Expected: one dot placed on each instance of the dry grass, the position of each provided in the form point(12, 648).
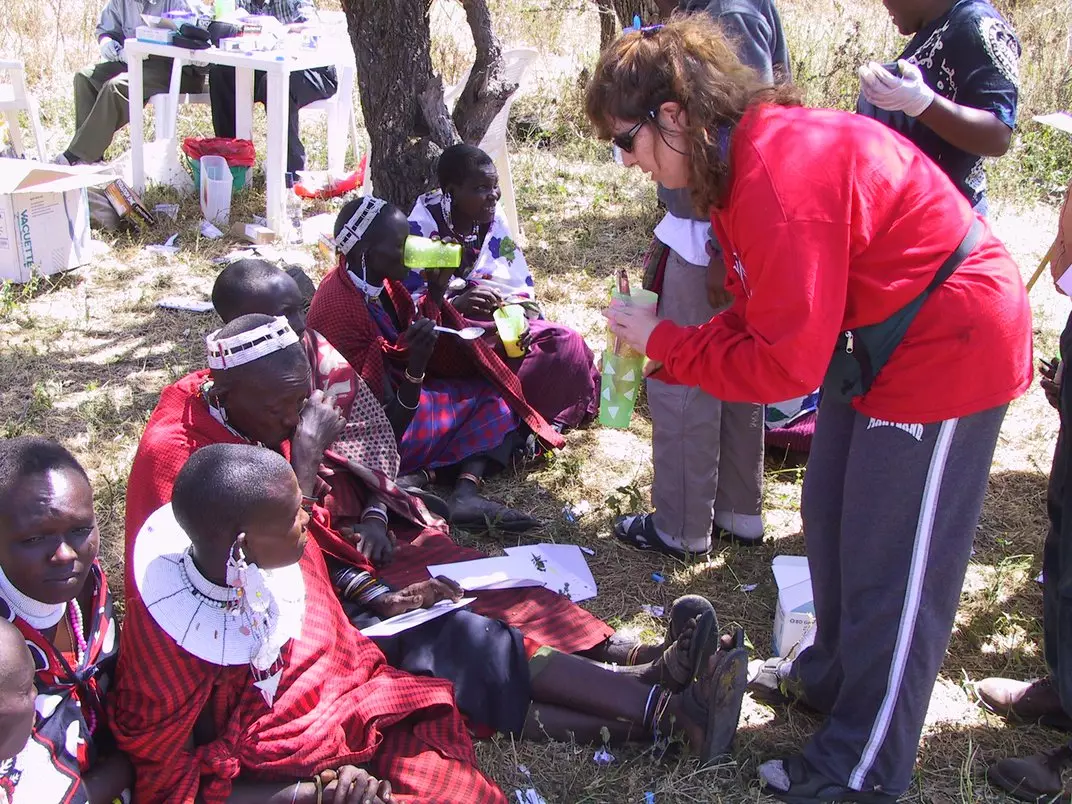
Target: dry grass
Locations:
point(85, 356)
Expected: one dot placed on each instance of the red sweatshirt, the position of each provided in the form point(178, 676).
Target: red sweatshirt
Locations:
point(833, 221)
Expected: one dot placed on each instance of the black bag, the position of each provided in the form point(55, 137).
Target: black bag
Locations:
point(862, 352)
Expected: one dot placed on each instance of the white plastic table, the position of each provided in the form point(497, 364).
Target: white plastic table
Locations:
point(277, 64)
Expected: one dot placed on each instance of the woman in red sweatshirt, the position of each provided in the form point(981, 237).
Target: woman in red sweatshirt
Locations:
point(830, 222)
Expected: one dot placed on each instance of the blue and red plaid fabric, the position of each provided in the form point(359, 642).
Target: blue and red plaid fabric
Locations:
point(456, 418)
point(338, 703)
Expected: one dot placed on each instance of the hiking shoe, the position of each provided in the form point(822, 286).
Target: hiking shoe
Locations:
point(1023, 701)
point(1045, 777)
point(793, 780)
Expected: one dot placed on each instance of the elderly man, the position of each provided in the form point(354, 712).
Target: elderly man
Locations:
point(102, 92)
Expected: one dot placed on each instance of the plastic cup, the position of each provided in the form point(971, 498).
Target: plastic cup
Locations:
point(216, 182)
point(511, 323)
point(645, 299)
point(619, 388)
point(424, 254)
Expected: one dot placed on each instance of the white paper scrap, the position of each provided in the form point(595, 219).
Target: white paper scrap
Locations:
point(210, 231)
point(189, 305)
point(562, 566)
point(411, 619)
point(500, 572)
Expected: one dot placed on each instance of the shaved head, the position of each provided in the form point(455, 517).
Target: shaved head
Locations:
point(17, 692)
point(257, 286)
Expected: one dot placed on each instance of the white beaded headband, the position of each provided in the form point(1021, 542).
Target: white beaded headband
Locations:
point(245, 347)
point(355, 228)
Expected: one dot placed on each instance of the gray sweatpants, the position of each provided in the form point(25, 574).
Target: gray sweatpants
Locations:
point(707, 454)
point(890, 512)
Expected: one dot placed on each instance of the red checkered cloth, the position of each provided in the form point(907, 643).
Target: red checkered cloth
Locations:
point(338, 703)
point(340, 312)
point(181, 424)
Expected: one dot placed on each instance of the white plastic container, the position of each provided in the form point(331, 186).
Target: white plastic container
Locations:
point(216, 181)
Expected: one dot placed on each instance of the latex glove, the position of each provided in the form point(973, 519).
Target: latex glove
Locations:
point(112, 50)
point(906, 92)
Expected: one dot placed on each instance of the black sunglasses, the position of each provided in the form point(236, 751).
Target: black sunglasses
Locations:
point(624, 141)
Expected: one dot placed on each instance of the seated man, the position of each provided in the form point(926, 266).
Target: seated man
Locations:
point(102, 92)
point(55, 593)
point(470, 414)
point(306, 86)
point(557, 372)
point(245, 682)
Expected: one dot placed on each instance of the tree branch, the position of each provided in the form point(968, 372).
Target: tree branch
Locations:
point(487, 89)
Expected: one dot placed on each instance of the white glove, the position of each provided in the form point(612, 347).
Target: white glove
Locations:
point(112, 50)
point(906, 92)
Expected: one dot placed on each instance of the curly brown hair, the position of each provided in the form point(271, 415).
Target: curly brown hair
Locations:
point(691, 62)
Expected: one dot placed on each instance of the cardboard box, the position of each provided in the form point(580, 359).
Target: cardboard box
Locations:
point(253, 232)
point(128, 204)
point(44, 217)
point(794, 617)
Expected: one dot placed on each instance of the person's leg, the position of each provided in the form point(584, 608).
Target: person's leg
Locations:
point(912, 498)
point(420, 773)
point(87, 85)
point(739, 500)
point(306, 87)
point(221, 92)
point(685, 426)
point(111, 110)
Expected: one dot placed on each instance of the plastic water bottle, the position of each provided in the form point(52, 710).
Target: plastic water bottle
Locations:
point(294, 215)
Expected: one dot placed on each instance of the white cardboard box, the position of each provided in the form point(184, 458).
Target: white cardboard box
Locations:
point(44, 217)
point(794, 618)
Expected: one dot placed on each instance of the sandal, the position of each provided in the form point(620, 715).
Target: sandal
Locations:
point(791, 779)
point(716, 700)
point(677, 667)
point(638, 530)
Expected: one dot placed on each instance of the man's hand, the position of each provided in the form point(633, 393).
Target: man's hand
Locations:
point(477, 303)
point(421, 339)
point(319, 424)
point(372, 539)
point(422, 595)
point(907, 92)
point(348, 784)
point(1051, 384)
point(112, 50)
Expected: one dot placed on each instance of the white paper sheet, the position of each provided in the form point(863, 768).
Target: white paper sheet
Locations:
point(411, 619)
point(564, 568)
point(501, 572)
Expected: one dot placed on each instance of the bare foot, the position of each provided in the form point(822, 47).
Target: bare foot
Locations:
point(475, 513)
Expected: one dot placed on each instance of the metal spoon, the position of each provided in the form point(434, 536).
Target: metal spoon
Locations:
point(467, 334)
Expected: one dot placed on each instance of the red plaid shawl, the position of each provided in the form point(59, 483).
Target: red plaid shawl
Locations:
point(181, 424)
point(338, 703)
point(340, 312)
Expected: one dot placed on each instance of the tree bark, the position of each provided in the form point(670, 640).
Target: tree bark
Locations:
point(624, 11)
point(402, 97)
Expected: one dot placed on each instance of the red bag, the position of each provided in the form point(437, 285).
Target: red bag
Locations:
point(238, 153)
point(319, 184)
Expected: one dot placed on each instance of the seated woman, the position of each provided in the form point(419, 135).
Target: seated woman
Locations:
point(469, 414)
point(53, 590)
point(557, 373)
point(237, 523)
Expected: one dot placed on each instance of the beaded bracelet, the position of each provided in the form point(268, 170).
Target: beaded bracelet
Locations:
point(375, 512)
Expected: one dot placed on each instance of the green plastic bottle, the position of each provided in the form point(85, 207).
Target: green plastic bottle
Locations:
point(423, 254)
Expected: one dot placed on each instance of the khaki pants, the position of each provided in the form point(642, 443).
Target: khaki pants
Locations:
point(707, 454)
point(102, 106)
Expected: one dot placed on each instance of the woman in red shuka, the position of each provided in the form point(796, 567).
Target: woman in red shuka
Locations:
point(830, 223)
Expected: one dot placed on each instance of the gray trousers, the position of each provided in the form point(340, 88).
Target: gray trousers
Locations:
point(101, 100)
point(707, 454)
point(890, 512)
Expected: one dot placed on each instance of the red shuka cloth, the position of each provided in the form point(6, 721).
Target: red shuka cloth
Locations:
point(182, 424)
point(338, 703)
point(339, 312)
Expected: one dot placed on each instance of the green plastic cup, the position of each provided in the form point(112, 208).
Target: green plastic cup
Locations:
point(423, 254)
point(619, 388)
point(511, 322)
point(639, 298)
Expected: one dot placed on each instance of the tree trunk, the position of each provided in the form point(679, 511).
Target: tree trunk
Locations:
point(624, 10)
point(402, 97)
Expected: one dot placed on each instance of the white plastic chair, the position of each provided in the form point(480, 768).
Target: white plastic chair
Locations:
point(14, 99)
point(339, 108)
point(166, 119)
point(517, 61)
